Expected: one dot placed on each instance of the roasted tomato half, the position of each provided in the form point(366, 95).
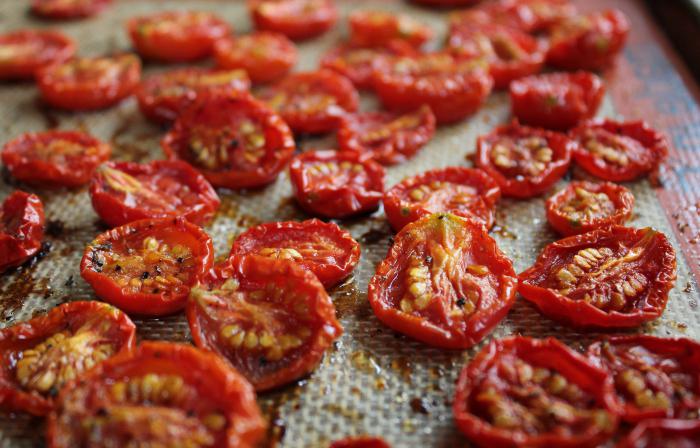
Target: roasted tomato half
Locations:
point(177, 36)
point(161, 394)
point(663, 433)
point(21, 228)
point(616, 277)
point(296, 19)
point(453, 88)
point(556, 100)
point(40, 355)
point(514, 14)
point(312, 102)
point(68, 9)
point(444, 282)
point(147, 267)
point(336, 184)
point(89, 83)
point(123, 192)
point(54, 158)
point(360, 442)
point(390, 138)
point(234, 142)
point(524, 161)
point(536, 393)
point(23, 53)
point(265, 56)
point(465, 192)
point(379, 28)
point(584, 206)
point(619, 151)
point(270, 318)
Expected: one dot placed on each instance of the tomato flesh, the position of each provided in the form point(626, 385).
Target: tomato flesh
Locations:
point(24, 52)
point(663, 433)
point(265, 56)
point(296, 19)
point(360, 442)
point(21, 228)
point(379, 28)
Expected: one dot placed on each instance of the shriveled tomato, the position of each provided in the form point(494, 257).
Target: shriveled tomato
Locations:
point(122, 192)
point(54, 158)
point(537, 393)
point(663, 433)
point(378, 28)
point(584, 206)
point(390, 138)
point(234, 142)
point(360, 442)
point(40, 355)
point(162, 394)
point(296, 19)
point(24, 52)
point(270, 318)
point(465, 192)
point(511, 13)
point(524, 161)
point(336, 184)
point(556, 100)
point(312, 102)
point(68, 9)
point(177, 36)
point(147, 267)
point(265, 56)
point(619, 151)
point(89, 83)
point(21, 228)
point(615, 277)
point(444, 282)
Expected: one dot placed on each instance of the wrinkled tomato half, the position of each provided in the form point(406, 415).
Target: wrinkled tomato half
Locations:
point(584, 206)
point(68, 9)
point(234, 142)
point(556, 100)
point(323, 248)
point(390, 138)
point(444, 282)
point(89, 83)
point(524, 161)
point(360, 442)
point(147, 267)
point(465, 192)
point(536, 393)
point(619, 151)
point(161, 394)
point(663, 433)
point(336, 184)
point(270, 318)
point(616, 277)
point(177, 36)
point(265, 56)
point(21, 228)
point(54, 158)
point(39, 356)
point(122, 192)
point(514, 14)
point(379, 28)
point(296, 19)
point(24, 52)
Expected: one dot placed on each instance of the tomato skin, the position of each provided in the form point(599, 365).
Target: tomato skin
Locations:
point(265, 56)
point(296, 19)
point(360, 442)
point(23, 158)
point(46, 47)
point(59, 10)
point(378, 28)
point(660, 433)
point(21, 228)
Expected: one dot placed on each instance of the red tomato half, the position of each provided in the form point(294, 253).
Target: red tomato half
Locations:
point(21, 228)
point(336, 184)
point(234, 142)
point(379, 28)
point(147, 267)
point(123, 192)
point(323, 248)
point(265, 56)
point(547, 13)
point(23, 53)
point(162, 394)
point(556, 100)
point(177, 36)
point(511, 13)
point(54, 158)
point(535, 393)
point(360, 442)
point(89, 83)
point(616, 277)
point(68, 9)
point(296, 19)
point(42, 354)
point(663, 433)
point(444, 282)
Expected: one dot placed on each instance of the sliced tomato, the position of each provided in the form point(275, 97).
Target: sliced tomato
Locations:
point(24, 52)
point(379, 28)
point(89, 83)
point(270, 318)
point(444, 282)
point(68, 9)
point(40, 355)
point(21, 228)
point(524, 161)
point(465, 192)
point(548, 13)
point(265, 56)
point(336, 184)
point(161, 394)
point(234, 142)
point(556, 100)
point(312, 102)
point(390, 138)
point(177, 36)
point(616, 277)
point(536, 393)
point(584, 206)
point(663, 433)
point(147, 267)
point(360, 442)
point(296, 19)
point(54, 158)
point(122, 192)
point(514, 14)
